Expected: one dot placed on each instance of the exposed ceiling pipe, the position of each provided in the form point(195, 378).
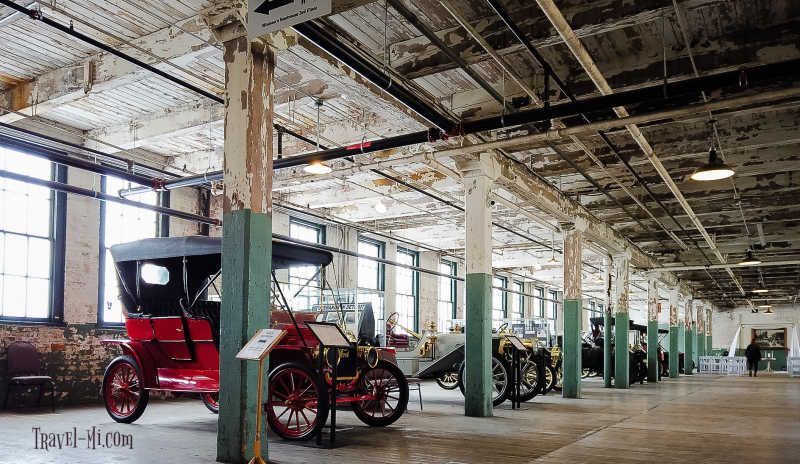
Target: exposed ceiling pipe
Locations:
point(550, 73)
point(792, 262)
point(582, 55)
point(61, 187)
point(554, 135)
point(488, 48)
point(653, 96)
point(454, 57)
point(327, 41)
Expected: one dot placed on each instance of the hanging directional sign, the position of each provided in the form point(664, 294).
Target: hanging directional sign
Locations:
point(272, 15)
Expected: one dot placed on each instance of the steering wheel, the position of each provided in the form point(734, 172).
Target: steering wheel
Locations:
point(502, 327)
point(391, 322)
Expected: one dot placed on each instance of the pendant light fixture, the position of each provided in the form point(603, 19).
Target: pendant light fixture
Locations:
point(316, 167)
point(553, 259)
point(715, 169)
point(750, 259)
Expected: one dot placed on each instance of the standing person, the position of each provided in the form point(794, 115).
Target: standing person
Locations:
point(753, 354)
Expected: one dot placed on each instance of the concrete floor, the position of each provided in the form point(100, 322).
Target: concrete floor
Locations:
point(691, 419)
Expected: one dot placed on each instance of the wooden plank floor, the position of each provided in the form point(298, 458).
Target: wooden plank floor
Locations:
point(700, 419)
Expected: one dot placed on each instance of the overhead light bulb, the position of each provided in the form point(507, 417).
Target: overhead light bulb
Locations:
point(380, 206)
point(769, 311)
point(749, 260)
point(715, 169)
point(759, 290)
point(316, 167)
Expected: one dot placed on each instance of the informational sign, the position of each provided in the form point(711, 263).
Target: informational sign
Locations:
point(261, 344)
point(516, 343)
point(329, 334)
point(267, 16)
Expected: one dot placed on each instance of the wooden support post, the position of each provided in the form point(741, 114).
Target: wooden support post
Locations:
point(621, 326)
point(247, 239)
point(479, 174)
point(700, 340)
point(674, 356)
point(573, 309)
point(607, 334)
point(688, 358)
point(653, 365)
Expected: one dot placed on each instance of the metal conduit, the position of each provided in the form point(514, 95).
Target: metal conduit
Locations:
point(581, 54)
point(61, 187)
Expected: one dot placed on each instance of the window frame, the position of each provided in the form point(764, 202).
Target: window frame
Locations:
point(161, 230)
point(321, 237)
point(503, 296)
point(57, 237)
point(381, 274)
point(453, 266)
point(414, 283)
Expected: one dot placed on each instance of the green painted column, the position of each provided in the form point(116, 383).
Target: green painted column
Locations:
point(709, 346)
point(573, 309)
point(621, 357)
point(652, 330)
point(700, 336)
point(246, 251)
point(479, 173)
point(246, 241)
point(674, 355)
point(688, 359)
point(607, 346)
point(478, 349)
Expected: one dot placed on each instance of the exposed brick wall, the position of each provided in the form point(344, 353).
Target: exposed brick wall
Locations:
point(72, 353)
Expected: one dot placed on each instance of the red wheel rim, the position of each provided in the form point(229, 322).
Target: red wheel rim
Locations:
point(212, 399)
point(292, 402)
point(382, 385)
point(123, 390)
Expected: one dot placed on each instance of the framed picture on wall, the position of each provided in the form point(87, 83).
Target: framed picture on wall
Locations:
point(770, 338)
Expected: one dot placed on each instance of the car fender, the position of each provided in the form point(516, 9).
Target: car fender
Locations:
point(142, 357)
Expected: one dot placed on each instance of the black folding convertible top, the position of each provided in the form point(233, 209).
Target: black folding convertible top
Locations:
point(284, 254)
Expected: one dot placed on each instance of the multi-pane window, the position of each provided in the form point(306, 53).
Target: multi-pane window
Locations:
point(518, 301)
point(551, 310)
point(538, 301)
point(371, 275)
point(121, 224)
point(407, 287)
point(499, 300)
point(447, 296)
point(305, 282)
point(27, 239)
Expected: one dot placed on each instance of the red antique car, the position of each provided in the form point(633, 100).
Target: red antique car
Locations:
point(172, 316)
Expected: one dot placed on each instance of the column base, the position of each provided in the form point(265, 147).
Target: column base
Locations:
point(478, 348)
point(571, 382)
point(621, 357)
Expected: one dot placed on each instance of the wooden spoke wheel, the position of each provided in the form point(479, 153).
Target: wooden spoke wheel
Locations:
point(531, 380)
point(500, 381)
point(211, 400)
point(123, 390)
point(448, 380)
point(559, 378)
point(296, 406)
point(391, 322)
point(389, 388)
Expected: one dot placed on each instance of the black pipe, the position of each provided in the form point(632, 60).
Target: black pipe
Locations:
point(548, 70)
point(60, 157)
point(454, 57)
point(98, 153)
point(325, 40)
point(61, 187)
point(652, 95)
point(38, 16)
